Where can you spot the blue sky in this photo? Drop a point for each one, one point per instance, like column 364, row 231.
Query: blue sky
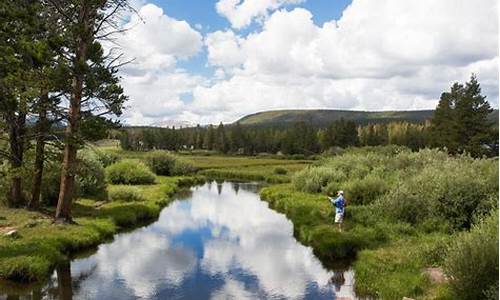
column 209, row 61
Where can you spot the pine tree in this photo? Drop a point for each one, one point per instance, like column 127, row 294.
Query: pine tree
column 473, row 127
column 460, row 121
column 93, row 86
column 443, row 130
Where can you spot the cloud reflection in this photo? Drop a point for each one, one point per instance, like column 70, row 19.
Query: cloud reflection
column 223, row 241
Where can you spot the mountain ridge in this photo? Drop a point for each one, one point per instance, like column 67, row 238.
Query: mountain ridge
column 327, row 116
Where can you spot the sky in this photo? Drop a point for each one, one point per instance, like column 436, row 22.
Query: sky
column 211, row 61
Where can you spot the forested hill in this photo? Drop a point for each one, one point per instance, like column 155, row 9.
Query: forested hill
column 327, row 116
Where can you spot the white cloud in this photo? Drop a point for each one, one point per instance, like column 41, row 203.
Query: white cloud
column 152, row 81
column 386, row 54
column 241, row 13
column 380, row 55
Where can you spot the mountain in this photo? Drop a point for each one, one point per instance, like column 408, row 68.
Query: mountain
column 327, row 116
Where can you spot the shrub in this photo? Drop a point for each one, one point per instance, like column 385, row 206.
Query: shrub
column 129, row 171
column 280, row 171
column 107, row 158
column 472, row 261
column 315, row 179
column 90, row 178
column 366, row 190
column 50, row 182
column 182, row 167
column 454, row 190
column 125, row 193
column 161, row 162
column 166, row 164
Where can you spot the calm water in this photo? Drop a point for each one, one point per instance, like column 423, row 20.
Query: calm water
column 219, row 241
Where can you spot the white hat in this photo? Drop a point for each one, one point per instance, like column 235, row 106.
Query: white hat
column 341, row 192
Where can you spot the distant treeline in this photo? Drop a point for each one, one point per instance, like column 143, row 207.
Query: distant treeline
column 460, row 124
column 300, row 138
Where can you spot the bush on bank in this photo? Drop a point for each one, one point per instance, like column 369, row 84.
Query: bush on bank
column 125, row 193
column 404, row 209
column 472, row 261
column 166, row 164
column 129, row 171
column 412, row 187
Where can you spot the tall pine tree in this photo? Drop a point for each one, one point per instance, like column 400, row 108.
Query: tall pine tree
column 460, row 121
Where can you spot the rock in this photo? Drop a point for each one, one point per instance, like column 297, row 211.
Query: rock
column 13, row 233
column 406, row 298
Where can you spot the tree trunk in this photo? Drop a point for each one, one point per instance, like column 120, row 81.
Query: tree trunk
column 39, row 152
column 16, row 135
column 67, row 187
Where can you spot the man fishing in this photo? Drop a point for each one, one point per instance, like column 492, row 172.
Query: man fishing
column 339, row 204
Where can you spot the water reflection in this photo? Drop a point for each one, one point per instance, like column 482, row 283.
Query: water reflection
column 214, row 243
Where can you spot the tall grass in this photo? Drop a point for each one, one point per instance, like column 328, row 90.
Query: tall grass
column 472, row 261
column 412, row 187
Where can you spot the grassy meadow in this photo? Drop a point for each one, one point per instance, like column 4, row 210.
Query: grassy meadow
column 131, row 195
column 408, row 212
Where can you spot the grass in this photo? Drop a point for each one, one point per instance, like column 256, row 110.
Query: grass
column 235, row 168
column 390, row 257
column 395, row 270
column 247, row 172
column 41, row 245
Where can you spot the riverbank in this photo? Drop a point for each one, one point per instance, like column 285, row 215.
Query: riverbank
column 389, row 258
column 391, row 249
column 38, row 245
column 412, row 225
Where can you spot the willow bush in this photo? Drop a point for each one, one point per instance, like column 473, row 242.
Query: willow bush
column 129, row 171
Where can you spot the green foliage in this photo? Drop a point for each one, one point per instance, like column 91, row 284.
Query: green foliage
column 125, row 193
column 129, row 171
column 161, row 162
column 461, row 123
column 414, row 187
column 317, row 179
column 51, row 182
column 453, row 190
column 366, row 190
column 166, row 164
column 396, row 270
column 312, row 216
column 472, row 261
column 183, row 167
column 280, row 171
column 107, row 158
column 90, row 179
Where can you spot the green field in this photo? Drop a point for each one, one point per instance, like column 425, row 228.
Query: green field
column 391, row 239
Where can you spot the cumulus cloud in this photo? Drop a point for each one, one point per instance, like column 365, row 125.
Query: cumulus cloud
column 241, row 13
column 379, row 55
column 153, row 82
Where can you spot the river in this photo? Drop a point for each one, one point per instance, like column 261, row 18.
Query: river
column 217, row 241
